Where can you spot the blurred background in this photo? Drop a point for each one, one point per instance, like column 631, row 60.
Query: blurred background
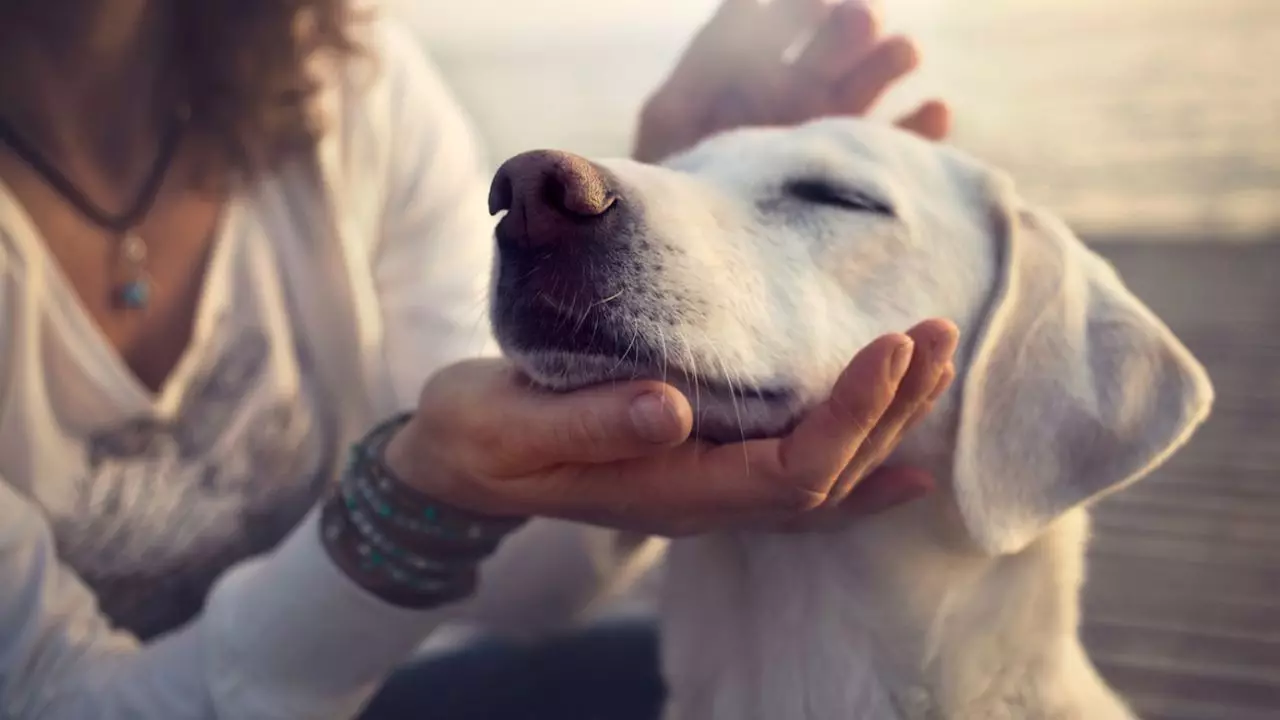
column 1129, row 116
column 1153, row 126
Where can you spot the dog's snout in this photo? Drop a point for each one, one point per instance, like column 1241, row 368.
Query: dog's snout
column 550, row 197
column 566, row 248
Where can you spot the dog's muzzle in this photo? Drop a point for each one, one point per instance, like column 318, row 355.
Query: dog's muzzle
column 565, row 246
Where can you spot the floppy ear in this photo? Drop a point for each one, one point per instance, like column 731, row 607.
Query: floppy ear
column 1074, row 388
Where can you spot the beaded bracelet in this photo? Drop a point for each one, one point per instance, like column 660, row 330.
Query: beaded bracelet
column 373, row 519
column 408, row 509
column 388, row 580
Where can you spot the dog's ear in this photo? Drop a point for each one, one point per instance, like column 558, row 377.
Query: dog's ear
column 1073, row 389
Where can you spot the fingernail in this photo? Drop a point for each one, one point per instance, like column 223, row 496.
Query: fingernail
column 654, row 418
column 901, row 359
column 946, row 344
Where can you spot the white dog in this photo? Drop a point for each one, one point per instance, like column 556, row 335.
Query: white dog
column 748, row 271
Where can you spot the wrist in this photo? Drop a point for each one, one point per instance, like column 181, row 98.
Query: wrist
column 396, row 542
column 398, row 455
column 365, row 565
column 418, row 476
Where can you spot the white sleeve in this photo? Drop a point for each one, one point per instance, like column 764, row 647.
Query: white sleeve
column 432, row 266
column 285, row 637
column 433, row 258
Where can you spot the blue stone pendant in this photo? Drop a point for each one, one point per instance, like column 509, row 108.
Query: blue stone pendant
column 135, row 294
column 135, row 291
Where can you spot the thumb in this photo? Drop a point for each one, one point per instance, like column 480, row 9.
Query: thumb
column 599, row 424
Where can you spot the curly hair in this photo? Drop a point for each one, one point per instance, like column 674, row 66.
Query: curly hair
column 244, row 67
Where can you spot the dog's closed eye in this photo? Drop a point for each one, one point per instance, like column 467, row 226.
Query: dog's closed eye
column 824, row 192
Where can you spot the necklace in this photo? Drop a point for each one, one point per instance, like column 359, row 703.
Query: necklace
column 133, row 290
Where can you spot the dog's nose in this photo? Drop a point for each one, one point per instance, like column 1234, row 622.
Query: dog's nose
column 549, row 197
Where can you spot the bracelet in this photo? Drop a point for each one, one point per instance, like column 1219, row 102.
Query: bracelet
column 389, row 581
column 372, row 521
column 408, row 509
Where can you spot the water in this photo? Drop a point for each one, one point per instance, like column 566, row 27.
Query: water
column 1146, row 118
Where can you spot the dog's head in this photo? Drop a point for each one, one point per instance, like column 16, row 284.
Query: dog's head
column 749, row 270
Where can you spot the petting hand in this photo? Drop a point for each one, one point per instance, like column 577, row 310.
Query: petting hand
column 734, row 74
column 484, row 440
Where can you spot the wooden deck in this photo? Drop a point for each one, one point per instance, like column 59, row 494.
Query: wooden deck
column 1182, row 609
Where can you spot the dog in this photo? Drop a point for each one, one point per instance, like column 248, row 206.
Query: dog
column 747, row 271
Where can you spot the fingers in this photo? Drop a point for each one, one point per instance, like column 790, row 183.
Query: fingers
column 780, row 23
column 494, row 419
column 712, row 51
column 839, row 44
column 735, row 73
column 929, row 374
column 698, row 487
column 618, row 455
column 757, row 39
column 829, row 436
column 744, row 36
column 944, row 382
column 704, row 92
column 695, row 486
column 932, row 120
column 594, row 425
column 691, row 488
column 885, row 388
column 935, row 343
column 882, row 490
column 884, row 65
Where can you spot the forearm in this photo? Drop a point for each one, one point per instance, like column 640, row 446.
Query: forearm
column 288, row 635
column 350, row 596
column 295, row 637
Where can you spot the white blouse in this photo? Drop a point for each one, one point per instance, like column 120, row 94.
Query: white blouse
column 335, row 288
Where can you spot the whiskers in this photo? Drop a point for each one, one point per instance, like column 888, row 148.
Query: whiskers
column 626, row 355
column 735, row 395
column 732, row 381
column 695, row 378
column 727, row 402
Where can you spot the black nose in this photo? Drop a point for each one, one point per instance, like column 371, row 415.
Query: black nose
column 551, row 197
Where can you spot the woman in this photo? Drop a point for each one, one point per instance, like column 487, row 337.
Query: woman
column 236, row 236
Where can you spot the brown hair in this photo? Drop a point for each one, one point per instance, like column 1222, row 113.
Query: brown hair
column 244, row 67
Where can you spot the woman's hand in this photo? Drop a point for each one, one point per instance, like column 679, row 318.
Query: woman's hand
column 484, row 440
column 734, row 74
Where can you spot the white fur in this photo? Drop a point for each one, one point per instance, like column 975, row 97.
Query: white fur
column 963, row 606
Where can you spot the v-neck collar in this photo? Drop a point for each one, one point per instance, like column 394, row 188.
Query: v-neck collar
column 90, row 345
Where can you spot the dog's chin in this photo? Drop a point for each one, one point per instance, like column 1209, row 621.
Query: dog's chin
column 724, row 411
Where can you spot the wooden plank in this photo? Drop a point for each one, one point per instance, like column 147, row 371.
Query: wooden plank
column 1182, row 608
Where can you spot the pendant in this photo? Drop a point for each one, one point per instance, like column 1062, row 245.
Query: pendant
column 134, row 292
column 134, row 295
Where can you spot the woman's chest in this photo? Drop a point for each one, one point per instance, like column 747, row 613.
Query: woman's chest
column 152, row 495
column 139, row 285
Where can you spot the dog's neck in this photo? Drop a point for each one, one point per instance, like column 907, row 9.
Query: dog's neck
column 893, row 617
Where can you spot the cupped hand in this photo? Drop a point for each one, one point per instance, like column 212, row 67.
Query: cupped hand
column 736, row 73
column 485, row 440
